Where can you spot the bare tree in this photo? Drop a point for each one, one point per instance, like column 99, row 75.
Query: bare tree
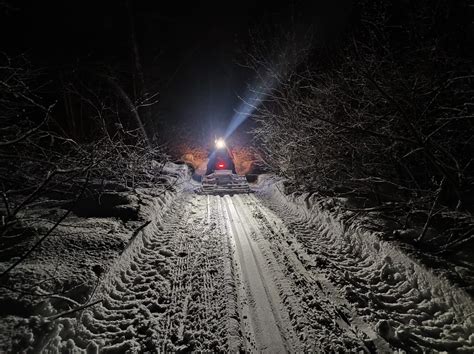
column 41, row 164
column 379, row 125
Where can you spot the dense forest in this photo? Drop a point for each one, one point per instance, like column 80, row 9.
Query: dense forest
column 380, row 117
column 349, row 131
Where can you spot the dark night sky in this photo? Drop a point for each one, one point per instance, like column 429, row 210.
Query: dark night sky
column 189, row 50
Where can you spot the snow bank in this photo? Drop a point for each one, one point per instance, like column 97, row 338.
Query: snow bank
column 411, row 306
column 75, row 263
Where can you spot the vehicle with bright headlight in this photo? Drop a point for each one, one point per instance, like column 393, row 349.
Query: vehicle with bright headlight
column 221, row 176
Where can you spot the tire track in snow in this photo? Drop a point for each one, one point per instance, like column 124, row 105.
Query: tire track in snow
column 261, row 300
column 172, row 293
column 407, row 305
column 212, row 280
column 330, row 323
column 243, row 273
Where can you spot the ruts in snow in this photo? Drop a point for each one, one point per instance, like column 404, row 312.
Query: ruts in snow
column 242, row 274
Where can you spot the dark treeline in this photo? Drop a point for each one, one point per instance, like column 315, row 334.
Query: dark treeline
column 382, row 115
column 375, row 106
column 71, row 132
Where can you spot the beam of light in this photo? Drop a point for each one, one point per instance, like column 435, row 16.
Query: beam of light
column 291, row 50
column 250, row 103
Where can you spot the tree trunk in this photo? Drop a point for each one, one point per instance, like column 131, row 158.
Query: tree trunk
column 131, row 107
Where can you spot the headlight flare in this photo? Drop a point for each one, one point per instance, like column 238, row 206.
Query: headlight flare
column 220, row 143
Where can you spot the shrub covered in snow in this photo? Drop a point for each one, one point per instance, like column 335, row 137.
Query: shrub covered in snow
column 384, row 121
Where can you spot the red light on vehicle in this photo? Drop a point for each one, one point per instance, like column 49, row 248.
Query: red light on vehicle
column 220, row 165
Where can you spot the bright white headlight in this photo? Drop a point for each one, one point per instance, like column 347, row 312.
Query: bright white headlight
column 220, row 143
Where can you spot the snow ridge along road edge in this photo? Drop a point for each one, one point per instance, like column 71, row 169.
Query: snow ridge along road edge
column 407, row 304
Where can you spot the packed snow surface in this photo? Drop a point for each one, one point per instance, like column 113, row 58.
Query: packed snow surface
column 269, row 273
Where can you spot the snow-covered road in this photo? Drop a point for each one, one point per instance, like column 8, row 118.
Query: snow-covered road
column 240, row 273
column 264, row 317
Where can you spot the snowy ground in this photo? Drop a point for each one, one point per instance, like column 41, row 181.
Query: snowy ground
column 70, row 264
column 261, row 272
column 409, row 306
